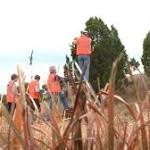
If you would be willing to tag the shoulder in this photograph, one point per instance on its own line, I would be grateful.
(32, 83)
(10, 83)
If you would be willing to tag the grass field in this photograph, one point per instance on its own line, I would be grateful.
(119, 122)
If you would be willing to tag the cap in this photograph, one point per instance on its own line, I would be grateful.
(84, 32)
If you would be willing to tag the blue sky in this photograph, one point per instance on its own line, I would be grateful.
(48, 27)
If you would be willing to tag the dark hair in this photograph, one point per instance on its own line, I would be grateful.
(37, 77)
(85, 32)
(14, 76)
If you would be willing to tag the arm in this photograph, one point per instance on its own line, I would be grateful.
(74, 41)
(62, 80)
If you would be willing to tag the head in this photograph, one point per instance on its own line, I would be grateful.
(37, 77)
(85, 33)
(14, 77)
(52, 69)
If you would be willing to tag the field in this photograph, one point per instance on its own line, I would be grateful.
(119, 122)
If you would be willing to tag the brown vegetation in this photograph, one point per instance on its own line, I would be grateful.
(93, 126)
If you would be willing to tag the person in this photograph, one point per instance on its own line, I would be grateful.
(83, 52)
(34, 91)
(54, 86)
(12, 93)
(47, 103)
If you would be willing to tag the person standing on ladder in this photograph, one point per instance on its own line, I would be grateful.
(83, 51)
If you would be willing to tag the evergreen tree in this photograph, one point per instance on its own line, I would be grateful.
(134, 64)
(146, 55)
(107, 47)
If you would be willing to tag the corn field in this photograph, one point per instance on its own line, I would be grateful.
(91, 125)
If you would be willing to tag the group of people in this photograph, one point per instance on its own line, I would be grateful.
(53, 87)
(83, 51)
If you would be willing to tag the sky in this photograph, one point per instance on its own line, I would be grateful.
(49, 26)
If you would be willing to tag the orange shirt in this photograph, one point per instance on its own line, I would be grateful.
(33, 85)
(53, 84)
(83, 45)
(11, 92)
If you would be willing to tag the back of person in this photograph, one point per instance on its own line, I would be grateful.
(83, 45)
(32, 90)
(53, 84)
(83, 52)
(10, 92)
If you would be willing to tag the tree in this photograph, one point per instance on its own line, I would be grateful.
(146, 55)
(107, 47)
(73, 51)
(134, 64)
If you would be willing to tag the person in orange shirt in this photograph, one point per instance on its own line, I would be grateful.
(54, 86)
(83, 52)
(12, 93)
(34, 91)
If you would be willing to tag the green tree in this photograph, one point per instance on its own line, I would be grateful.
(146, 55)
(134, 64)
(107, 47)
(73, 52)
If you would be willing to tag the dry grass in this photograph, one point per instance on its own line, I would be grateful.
(93, 126)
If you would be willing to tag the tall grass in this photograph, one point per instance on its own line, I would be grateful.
(93, 126)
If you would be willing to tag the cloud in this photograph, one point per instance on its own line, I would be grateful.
(38, 24)
(48, 27)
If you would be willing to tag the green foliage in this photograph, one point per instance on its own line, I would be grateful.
(4, 99)
(146, 55)
(26, 86)
(134, 64)
(73, 52)
(107, 47)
